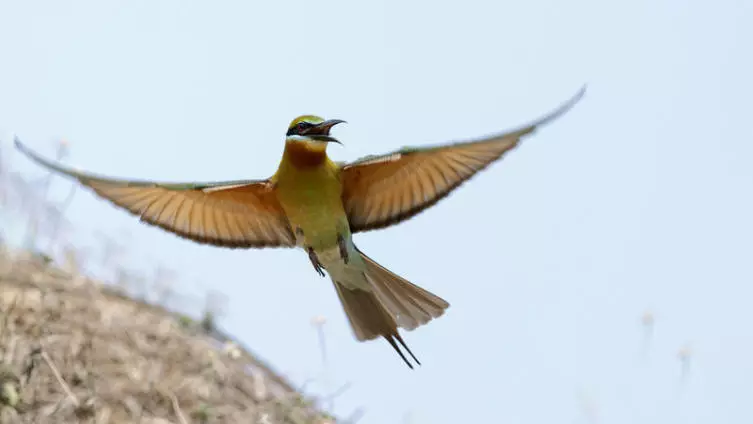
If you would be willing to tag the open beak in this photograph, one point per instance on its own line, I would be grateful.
(325, 139)
(325, 127)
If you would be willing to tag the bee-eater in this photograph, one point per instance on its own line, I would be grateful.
(317, 205)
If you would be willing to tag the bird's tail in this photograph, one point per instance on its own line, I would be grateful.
(391, 302)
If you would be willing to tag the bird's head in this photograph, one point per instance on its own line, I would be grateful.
(312, 130)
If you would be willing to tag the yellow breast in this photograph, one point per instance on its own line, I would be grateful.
(309, 191)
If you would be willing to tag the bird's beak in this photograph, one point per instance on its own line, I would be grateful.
(325, 127)
(324, 139)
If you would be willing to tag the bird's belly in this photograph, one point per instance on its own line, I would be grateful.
(321, 228)
(316, 215)
(324, 232)
(318, 227)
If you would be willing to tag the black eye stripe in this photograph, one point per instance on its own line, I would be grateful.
(295, 129)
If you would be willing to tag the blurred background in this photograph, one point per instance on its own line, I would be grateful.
(600, 273)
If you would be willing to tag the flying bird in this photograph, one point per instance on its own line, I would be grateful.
(315, 204)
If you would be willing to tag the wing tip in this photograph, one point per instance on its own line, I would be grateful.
(562, 108)
(583, 89)
(26, 151)
(44, 162)
(578, 95)
(19, 145)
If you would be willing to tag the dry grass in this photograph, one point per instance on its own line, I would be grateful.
(73, 350)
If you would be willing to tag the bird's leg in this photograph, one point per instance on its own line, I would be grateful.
(315, 261)
(299, 235)
(343, 247)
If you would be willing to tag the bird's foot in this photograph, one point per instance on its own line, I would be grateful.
(315, 262)
(343, 248)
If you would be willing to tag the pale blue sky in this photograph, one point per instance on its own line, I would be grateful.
(638, 198)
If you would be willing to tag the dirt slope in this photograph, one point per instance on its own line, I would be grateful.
(73, 350)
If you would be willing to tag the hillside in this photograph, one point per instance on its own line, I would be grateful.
(75, 350)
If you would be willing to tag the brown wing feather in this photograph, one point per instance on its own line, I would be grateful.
(234, 214)
(385, 190)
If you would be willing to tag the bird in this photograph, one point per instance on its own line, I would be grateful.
(316, 205)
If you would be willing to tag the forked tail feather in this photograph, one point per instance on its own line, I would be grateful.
(391, 302)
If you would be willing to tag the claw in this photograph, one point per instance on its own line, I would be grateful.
(315, 262)
(343, 247)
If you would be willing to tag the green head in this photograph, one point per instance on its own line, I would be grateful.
(312, 130)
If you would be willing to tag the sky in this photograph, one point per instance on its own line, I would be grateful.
(636, 200)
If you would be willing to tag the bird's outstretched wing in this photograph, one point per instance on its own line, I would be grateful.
(379, 191)
(234, 214)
